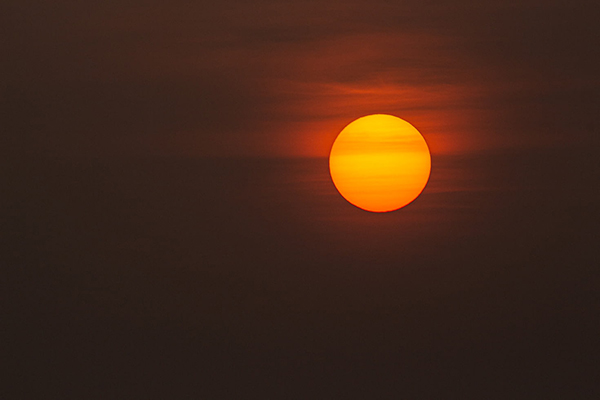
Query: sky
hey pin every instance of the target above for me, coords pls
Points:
(280, 79)
(170, 228)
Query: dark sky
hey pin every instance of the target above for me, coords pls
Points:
(282, 78)
(170, 229)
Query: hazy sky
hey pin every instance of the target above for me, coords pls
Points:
(283, 78)
(207, 275)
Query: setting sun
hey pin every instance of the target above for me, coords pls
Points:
(380, 163)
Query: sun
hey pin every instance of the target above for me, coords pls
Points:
(380, 163)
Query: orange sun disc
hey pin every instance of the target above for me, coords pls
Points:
(380, 163)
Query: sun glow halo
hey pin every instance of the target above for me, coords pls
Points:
(380, 163)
